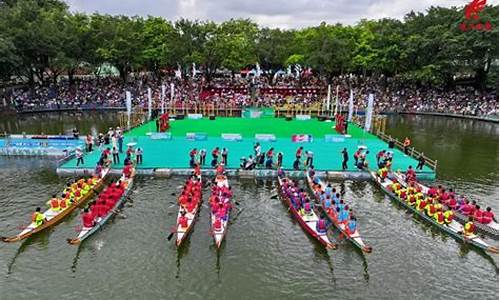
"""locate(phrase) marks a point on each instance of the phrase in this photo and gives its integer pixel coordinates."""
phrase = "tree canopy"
(40, 40)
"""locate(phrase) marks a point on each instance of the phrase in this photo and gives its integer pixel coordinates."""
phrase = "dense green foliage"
(41, 39)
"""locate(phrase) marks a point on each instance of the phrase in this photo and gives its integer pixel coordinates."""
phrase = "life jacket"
(411, 199)
(63, 204)
(478, 215)
(54, 204)
(431, 209)
(448, 216)
(469, 228)
(422, 204)
(439, 217)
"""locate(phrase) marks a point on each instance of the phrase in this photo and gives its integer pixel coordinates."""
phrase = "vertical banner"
(128, 103)
(328, 96)
(171, 94)
(351, 106)
(194, 70)
(336, 101)
(368, 114)
(150, 103)
(257, 71)
(162, 99)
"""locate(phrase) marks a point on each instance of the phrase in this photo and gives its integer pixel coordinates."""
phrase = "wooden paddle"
(169, 237)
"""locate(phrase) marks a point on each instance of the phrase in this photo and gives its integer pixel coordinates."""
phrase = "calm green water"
(266, 254)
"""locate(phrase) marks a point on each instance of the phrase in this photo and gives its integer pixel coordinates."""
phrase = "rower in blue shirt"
(328, 190)
(344, 215)
(327, 202)
(351, 225)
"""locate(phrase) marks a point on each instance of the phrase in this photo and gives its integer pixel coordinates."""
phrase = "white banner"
(328, 96)
(368, 113)
(150, 103)
(128, 103)
(336, 101)
(172, 94)
(162, 99)
(351, 106)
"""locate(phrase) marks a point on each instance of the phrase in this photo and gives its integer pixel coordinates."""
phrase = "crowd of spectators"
(391, 94)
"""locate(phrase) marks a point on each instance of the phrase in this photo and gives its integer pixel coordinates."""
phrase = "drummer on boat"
(38, 218)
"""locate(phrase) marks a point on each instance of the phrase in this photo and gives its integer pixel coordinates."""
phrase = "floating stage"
(168, 154)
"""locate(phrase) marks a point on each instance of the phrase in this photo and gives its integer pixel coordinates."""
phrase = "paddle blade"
(274, 196)
(169, 237)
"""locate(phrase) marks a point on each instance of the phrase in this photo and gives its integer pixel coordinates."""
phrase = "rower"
(321, 225)
(448, 216)
(469, 227)
(478, 213)
(452, 203)
(488, 216)
(430, 209)
(127, 171)
(410, 174)
(64, 203)
(382, 172)
(217, 224)
(439, 216)
(183, 220)
(329, 190)
(307, 209)
(327, 203)
(351, 225)
(87, 218)
(54, 203)
(344, 214)
(191, 205)
(37, 217)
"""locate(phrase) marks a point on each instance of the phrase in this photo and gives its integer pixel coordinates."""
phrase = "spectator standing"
(406, 145)
(345, 159)
(79, 156)
(116, 156)
(138, 155)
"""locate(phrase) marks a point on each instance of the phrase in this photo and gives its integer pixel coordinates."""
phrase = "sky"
(268, 13)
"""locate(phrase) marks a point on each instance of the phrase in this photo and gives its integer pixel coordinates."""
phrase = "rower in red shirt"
(488, 216)
(410, 174)
(190, 206)
(478, 214)
(127, 171)
(87, 218)
(183, 220)
(183, 199)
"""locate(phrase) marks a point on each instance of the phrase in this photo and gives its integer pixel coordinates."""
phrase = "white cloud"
(272, 13)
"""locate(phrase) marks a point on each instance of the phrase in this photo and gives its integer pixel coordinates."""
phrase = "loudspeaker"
(288, 118)
(211, 117)
(179, 117)
(321, 118)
